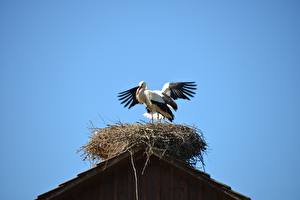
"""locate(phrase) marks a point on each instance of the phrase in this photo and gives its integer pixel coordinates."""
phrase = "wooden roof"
(138, 154)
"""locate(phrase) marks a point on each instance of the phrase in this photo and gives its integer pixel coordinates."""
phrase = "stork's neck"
(140, 95)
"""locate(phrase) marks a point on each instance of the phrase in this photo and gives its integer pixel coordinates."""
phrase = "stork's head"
(142, 84)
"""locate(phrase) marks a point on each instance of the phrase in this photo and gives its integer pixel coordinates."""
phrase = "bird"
(159, 102)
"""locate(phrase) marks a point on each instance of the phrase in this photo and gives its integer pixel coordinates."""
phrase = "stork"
(158, 101)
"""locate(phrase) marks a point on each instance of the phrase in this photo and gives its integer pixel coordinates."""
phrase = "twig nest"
(178, 141)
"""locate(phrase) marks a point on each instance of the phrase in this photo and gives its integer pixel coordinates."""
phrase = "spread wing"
(179, 90)
(128, 97)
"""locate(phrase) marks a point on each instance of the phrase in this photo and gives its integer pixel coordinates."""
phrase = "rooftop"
(138, 154)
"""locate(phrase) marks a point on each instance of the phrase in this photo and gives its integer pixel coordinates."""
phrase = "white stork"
(158, 101)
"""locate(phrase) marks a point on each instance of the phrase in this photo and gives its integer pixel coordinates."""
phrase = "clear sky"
(62, 64)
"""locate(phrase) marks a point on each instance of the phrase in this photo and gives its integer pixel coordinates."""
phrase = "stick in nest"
(135, 177)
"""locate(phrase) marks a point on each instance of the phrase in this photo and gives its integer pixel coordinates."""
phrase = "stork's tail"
(164, 110)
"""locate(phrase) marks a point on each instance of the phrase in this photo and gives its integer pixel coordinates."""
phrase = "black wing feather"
(182, 90)
(128, 97)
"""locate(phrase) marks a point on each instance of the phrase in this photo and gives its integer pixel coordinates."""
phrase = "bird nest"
(177, 141)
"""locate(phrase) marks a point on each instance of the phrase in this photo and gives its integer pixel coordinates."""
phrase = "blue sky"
(63, 62)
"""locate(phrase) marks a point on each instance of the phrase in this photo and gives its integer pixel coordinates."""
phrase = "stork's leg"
(163, 118)
(152, 117)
